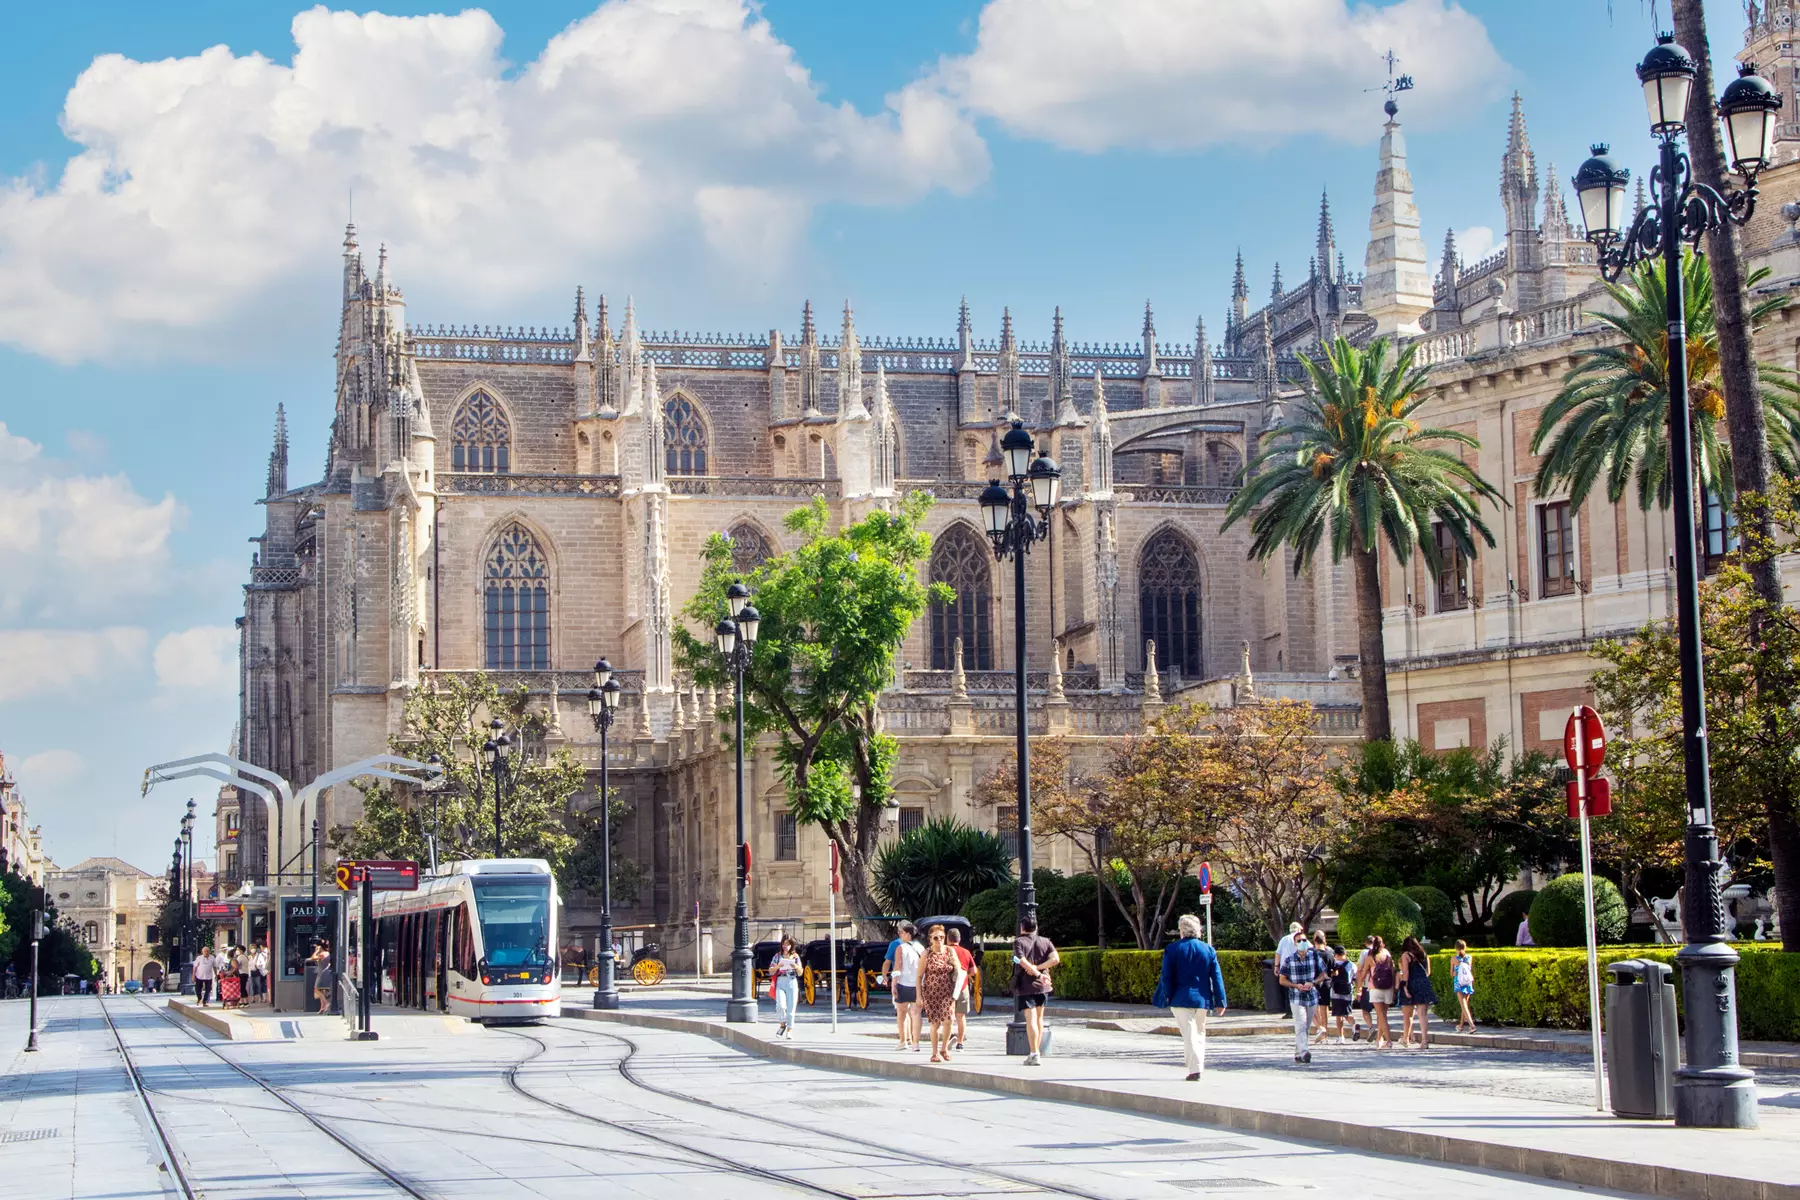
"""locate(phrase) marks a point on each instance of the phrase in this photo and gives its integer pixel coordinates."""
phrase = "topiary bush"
(1557, 917)
(1509, 914)
(1436, 907)
(937, 867)
(1393, 915)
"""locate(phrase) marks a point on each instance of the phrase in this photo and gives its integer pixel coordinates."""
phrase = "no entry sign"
(1589, 757)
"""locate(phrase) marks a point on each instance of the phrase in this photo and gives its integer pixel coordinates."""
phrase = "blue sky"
(168, 244)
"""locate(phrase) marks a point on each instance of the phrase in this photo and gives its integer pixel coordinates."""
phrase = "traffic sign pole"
(831, 936)
(1581, 742)
(1206, 896)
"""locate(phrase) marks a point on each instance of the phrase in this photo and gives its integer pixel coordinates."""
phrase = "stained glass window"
(480, 437)
(1169, 602)
(518, 603)
(961, 559)
(684, 435)
(749, 548)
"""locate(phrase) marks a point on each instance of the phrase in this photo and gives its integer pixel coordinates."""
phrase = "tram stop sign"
(1594, 732)
(383, 875)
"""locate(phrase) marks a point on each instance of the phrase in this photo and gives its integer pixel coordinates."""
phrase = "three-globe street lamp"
(602, 703)
(1711, 1088)
(498, 749)
(736, 638)
(1010, 524)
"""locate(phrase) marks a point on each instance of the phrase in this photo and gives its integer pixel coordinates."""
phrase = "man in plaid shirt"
(1303, 973)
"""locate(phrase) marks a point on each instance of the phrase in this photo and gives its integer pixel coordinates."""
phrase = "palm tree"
(1357, 467)
(934, 869)
(1610, 421)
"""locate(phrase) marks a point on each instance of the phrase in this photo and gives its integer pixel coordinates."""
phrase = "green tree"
(449, 718)
(1559, 912)
(60, 953)
(834, 611)
(934, 869)
(1355, 467)
(1610, 421)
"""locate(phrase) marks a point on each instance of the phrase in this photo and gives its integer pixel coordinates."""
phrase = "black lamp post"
(177, 933)
(189, 935)
(1711, 1089)
(736, 638)
(434, 786)
(1010, 524)
(602, 703)
(500, 763)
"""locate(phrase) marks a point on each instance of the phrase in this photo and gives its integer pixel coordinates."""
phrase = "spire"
(352, 263)
(812, 371)
(1519, 189)
(1240, 308)
(1396, 279)
(583, 352)
(1203, 365)
(278, 456)
(1006, 329)
(1239, 289)
(603, 323)
(1556, 214)
(807, 332)
(1009, 368)
(1149, 339)
(882, 475)
(1275, 289)
(1059, 405)
(850, 400)
(965, 338)
(1100, 458)
(1326, 241)
(1448, 264)
(381, 279)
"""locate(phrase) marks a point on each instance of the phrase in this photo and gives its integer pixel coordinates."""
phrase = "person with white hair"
(1191, 984)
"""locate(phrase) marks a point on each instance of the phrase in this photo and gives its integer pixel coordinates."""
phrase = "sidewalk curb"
(1676, 1182)
(218, 1023)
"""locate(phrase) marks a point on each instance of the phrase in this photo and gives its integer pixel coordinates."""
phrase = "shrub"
(1558, 917)
(1437, 909)
(937, 867)
(993, 912)
(1394, 915)
(1509, 914)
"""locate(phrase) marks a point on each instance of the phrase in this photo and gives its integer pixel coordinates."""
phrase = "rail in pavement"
(1539, 1139)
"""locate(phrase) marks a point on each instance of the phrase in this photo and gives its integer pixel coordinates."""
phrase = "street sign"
(382, 874)
(1599, 797)
(218, 910)
(744, 861)
(836, 882)
(1595, 733)
(1205, 878)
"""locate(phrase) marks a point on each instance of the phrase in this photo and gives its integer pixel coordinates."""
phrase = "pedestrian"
(940, 979)
(226, 980)
(1322, 1010)
(1285, 946)
(240, 962)
(967, 962)
(1418, 995)
(1523, 936)
(901, 971)
(322, 975)
(784, 985)
(1463, 971)
(1343, 987)
(1379, 978)
(1034, 957)
(1362, 1009)
(259, 972)
(1191, 984)
(203, 976)
(1301, 973)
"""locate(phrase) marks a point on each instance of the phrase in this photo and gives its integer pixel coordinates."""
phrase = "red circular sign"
(1595, 734)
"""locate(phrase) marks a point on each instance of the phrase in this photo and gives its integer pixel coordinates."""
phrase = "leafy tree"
(1385, 911)
(1436, 911)
(1610, 421)
(60, 953)
(934, 869)
(834, 611)
(1354, 466)
(449, 718)
(1559, 912)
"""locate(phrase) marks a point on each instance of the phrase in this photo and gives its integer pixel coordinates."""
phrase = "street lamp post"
(1711, 1088)
(500, 763)
(736, 638)
(188, 933)
(1012, 528)
(602, 703)
(434, 787)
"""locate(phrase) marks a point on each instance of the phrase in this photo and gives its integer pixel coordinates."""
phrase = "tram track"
(171, 1162)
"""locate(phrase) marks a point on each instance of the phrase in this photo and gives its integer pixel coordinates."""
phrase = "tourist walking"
(1462, 969)
(1362, 1009)
(1285, 946)
(323, 979)
(1301, 973)
(1322, 1010)
(901, 970)
(784, 985)
(1416, 995)
(259, 972)
(1190, 986)
(1033, 957)
(240, 963)
(1378, 977)
(225, 978)
(940, 979)
(203, 976)
(963, 993)
(1343, 989)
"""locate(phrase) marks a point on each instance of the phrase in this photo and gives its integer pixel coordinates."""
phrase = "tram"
(475, 941)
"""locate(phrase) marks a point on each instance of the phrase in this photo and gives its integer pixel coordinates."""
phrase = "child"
(1463, 972)
(1341, 987)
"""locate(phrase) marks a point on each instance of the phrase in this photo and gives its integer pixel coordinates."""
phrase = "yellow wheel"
(594, 975)
(862, 989)
(975, 991)
(648, 972)
(809, 983)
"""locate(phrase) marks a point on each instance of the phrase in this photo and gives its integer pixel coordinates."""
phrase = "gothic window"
(684, 434)
(518, 603)
(1169, 602)
(480, 437)
(749, 548)
(961, 559)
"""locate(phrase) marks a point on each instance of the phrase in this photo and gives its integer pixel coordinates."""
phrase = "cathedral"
(526, 501)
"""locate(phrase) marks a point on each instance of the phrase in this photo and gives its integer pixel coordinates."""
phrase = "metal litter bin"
(1274, 995)
(1642, 1045)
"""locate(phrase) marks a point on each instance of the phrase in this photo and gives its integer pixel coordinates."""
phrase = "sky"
(177, 179)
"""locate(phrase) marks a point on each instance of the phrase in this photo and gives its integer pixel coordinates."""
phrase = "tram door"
(440, 960)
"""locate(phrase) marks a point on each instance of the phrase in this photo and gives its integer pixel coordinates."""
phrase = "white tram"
(477, 940)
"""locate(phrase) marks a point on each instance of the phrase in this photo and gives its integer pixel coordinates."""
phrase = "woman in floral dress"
(941, 977)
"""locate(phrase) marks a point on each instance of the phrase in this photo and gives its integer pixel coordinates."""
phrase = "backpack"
(1383, 975)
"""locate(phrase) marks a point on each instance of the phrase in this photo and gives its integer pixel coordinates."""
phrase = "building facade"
(111, 908)
(21, 842)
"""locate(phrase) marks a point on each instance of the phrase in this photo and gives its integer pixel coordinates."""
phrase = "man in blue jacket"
(1191, 984)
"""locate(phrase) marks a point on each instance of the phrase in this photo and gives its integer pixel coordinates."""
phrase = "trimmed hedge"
(1125, 976)
(1436, 907)
(1545, 987)
(1558, 914)
(1392, 914)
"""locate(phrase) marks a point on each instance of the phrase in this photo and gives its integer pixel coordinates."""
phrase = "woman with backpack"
(1416, 993)
(1463, 971)
(1379, 976)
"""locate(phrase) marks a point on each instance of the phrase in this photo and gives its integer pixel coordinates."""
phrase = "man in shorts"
(1033, 958)
(901, 970)
(967, 961)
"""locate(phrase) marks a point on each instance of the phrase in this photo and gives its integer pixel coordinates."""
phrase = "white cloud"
(1183, 74)
(1474, 244)
(203, 658)
(207, 185)
(14, 449)
(50, 768)
(38, 662)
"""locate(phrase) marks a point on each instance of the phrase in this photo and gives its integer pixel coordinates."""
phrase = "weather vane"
(1396, 83)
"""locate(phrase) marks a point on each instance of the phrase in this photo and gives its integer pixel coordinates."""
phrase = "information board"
(303, 923)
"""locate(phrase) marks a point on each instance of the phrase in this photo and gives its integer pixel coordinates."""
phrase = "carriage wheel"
(594, 975)
(862, 989)
(648, 972)
(975, 991)
(809, 984)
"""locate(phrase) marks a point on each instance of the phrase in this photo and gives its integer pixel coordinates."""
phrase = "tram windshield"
(515, 920)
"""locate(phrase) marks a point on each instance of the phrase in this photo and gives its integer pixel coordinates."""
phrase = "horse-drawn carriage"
(815, 962)
(862, 969)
